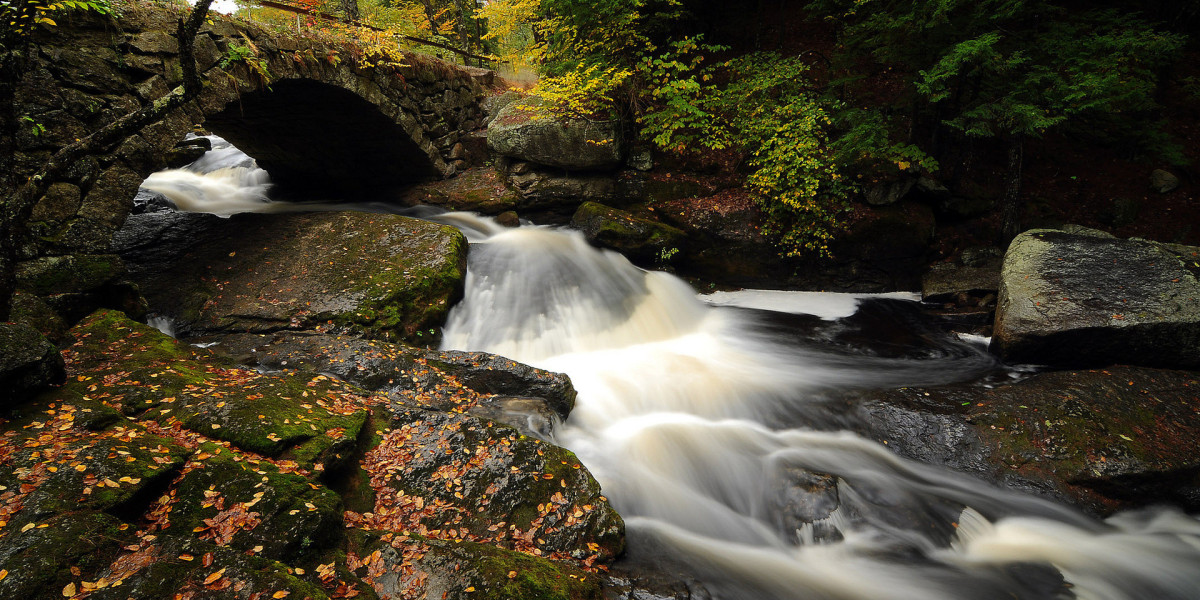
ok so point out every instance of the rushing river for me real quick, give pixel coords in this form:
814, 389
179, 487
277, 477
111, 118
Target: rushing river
695, 414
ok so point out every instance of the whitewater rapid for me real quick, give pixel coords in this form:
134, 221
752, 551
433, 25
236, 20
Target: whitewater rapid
679, 418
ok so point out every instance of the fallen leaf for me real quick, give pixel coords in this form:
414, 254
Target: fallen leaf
215, 576
69, 590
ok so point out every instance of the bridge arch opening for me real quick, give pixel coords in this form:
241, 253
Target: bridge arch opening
317, 139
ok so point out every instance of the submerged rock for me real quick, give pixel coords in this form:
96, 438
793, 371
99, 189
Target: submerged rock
1101, 439
1082, 300
387, 276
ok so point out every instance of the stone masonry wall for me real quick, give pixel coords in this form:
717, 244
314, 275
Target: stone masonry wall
88, 71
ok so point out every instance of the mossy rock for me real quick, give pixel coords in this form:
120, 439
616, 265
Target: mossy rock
386, 276
68, 274
249, 504
454, 477
55, 464
1105, 440
527, 130
167, 566
475, 190
146, 374
640, 238
397, 566
38, 561
30, 309
440, 380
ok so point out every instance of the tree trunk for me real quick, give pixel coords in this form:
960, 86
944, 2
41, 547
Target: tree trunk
350, 10
1010, 208
15, 209
431, 14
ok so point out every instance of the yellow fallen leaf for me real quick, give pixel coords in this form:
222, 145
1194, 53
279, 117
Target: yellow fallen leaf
27, 527
281, 594
3, 574
69, 590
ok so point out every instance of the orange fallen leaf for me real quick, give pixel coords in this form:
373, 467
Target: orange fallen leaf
215, 576
281, 594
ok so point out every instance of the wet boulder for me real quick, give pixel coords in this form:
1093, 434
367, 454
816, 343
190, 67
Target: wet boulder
1103, 440
155, 237
475, 190
386, 276
440, 380
460, 478
237, 501
493, 374
398, 566
527, 130
641, 239
300, 418
1082, 300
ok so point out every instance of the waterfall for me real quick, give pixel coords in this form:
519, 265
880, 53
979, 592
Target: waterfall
677, 416
694, 413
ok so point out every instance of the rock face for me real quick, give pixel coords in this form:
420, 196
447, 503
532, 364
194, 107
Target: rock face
28, 362
385, 275
641, 239
543, 189
1075, 300
525, 130
161, 470
1102, 439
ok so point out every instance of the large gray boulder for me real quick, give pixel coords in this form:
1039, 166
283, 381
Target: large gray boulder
525, 130
1071, 299
385, 276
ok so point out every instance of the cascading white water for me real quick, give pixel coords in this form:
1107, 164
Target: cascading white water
677, 419
678, 416
223, 181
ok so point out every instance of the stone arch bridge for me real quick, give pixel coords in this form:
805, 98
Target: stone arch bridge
323, 117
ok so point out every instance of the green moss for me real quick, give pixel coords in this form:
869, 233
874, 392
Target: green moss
507, 574
410, 304
68, 274
37, 560
295, 517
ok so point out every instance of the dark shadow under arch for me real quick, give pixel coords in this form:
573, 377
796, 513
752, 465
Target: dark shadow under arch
317, 139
